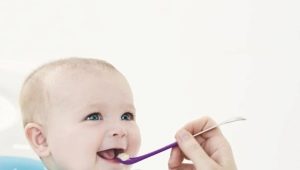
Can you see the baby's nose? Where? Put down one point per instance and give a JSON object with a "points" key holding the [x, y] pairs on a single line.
{"points": [[118, 132]]}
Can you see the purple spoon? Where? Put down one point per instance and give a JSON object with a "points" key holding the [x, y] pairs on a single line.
{"points": [[133, 160]]}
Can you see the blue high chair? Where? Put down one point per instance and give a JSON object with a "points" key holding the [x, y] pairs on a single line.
{"points": [[20, 163]]}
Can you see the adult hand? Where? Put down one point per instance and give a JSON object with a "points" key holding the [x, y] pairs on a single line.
{"points": [[209, 151]]}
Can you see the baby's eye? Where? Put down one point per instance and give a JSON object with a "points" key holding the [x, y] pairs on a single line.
{"points": [[127, 116], [94, 116]]}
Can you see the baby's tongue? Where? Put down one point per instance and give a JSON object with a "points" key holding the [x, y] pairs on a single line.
{"points": [[108, 154]]}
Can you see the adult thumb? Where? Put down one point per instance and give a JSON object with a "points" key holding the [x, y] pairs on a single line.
{"points": [[193, 150]]}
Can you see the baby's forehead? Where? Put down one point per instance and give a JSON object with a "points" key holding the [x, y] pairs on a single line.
{"points": [[86, 90], [70, 78], [77, 77]]}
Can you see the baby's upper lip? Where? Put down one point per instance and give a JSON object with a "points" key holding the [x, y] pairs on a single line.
{"points": [[118, 147]]}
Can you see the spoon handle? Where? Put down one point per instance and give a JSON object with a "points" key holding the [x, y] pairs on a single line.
{"points": [[174, 144], [222, 123]]}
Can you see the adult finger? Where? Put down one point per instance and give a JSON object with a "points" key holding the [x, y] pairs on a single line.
{"points": [[192, 149], [176, 158], [213, 142]]}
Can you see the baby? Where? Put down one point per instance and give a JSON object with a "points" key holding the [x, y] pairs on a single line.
{"points": [[79, 114]]}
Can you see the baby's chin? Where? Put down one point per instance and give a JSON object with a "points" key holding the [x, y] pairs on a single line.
{"points": [[93, 164]]}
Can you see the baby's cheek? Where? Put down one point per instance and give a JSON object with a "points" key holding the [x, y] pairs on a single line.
{"points": [[135, 141]]}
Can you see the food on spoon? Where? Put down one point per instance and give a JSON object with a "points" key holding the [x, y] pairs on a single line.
{"points": [[123, 156]]}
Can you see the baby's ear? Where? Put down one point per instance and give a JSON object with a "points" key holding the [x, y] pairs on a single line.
{"points": [[37, 139]]}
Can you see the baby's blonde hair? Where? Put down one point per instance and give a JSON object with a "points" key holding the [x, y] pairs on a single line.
{"points": [[34, 97]]}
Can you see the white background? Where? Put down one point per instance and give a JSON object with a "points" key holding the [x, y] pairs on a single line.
{"points": [[183, 59]]}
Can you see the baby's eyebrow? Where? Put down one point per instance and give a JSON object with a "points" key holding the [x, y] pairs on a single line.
{"points": [[124, 107], [130, 107], [92, 105]]}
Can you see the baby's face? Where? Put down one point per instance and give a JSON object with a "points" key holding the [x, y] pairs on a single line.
{"points": [[92, 119]]}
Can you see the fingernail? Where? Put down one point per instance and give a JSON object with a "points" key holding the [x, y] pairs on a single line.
{"points": [[183, 135]]}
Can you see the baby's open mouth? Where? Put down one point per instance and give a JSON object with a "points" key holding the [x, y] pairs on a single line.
{"points": [[110, 154]]}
